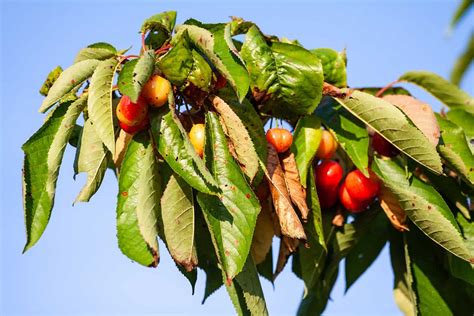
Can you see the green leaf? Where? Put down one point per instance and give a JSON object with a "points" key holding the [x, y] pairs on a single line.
{"points": [[286, 78], [424, 206], [43, 155], [438, 293], [394, 126], [138, 202], [251, 119], [367, 250], [439, 87], [177, 214], [455, 148], [50, 80], [92, 158], [135, 74], [69, 79], [265, 268], [334, 65], [306, 138], [178, 62], [246, 291], [99, 105], [239, 136], [163, 21], [232, 216], [351, 133], [461, 11], [98, 51], [463, 119], [214, 41], [174, 145], [464, 61]]}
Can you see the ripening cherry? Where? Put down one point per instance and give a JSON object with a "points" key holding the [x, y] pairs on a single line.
{"points": [[360, 187], [328, 175], [327, 146], [280, 138], [144, 124], [130, 113], [383, 147], [349, 202], [197, 137], [156, 91]]}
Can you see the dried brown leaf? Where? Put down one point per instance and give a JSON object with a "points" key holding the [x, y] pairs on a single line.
{"points": [[297, 191], [338, 219], [420, 113], [392, 208], [263, 235], [287, 247], [289, 222]]}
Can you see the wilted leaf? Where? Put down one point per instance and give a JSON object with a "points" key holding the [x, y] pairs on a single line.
{"points": [[293, 183], [306, 138], [92, 158], [239, 136], [287, 247], [43, 155], [68, 80], [420, 113], [393, 210], [440, 88], [50, 80], [138, 202], [289, 222], [177, 215], [263, 235]]}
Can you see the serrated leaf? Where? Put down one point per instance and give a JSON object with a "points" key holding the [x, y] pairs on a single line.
{"points": [[455, 148], [135, 75], [232, 216], [464, 61], [306, 138], [334, 66], [424, 206], [43, 155], [351, 134], [177, 214], [98, 51], [99, 104], [50, 80], [293, 183], [214, 40], [440, 88], [393, 125], [289, 222], [69, 79], [263, 234], [164, 21], [138, 203], [390, 205], [92, 158], [173, 144], [246, 291], [239, 136], [285, 78], [366, 250]]}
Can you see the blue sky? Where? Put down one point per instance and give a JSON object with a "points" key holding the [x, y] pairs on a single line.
{"points": [[77, 268]]}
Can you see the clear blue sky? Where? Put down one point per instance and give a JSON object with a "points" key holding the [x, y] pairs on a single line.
{"points": [[77, 267]]}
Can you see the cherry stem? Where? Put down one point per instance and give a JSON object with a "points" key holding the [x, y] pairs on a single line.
{"points": [[276, 124], [123, 58], [382, 91], [143, 42], [163, 49]]}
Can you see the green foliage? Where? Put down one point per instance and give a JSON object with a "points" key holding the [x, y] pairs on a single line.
{"points": [[205, 209], [463, 62]]}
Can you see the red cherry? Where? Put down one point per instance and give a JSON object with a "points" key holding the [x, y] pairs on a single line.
{"points": [[349, 202], [130, 113], [327, 197], [144, 124], [360, 187], [328, 175], [383, 147], [280, 138]]}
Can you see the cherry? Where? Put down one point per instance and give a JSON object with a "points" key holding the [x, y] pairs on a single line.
{"points": [[360, 187], [383, 147], [327, 197], [156, 91], [327, 146], [328, 175], [144, 124], [280, 138], [130, 113], [197, 137], [349, 202], [220, 82]]}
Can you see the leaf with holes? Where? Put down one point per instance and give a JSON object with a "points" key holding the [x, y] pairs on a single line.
{"points": [[43, 155], [135, 75], [138, 202]]}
